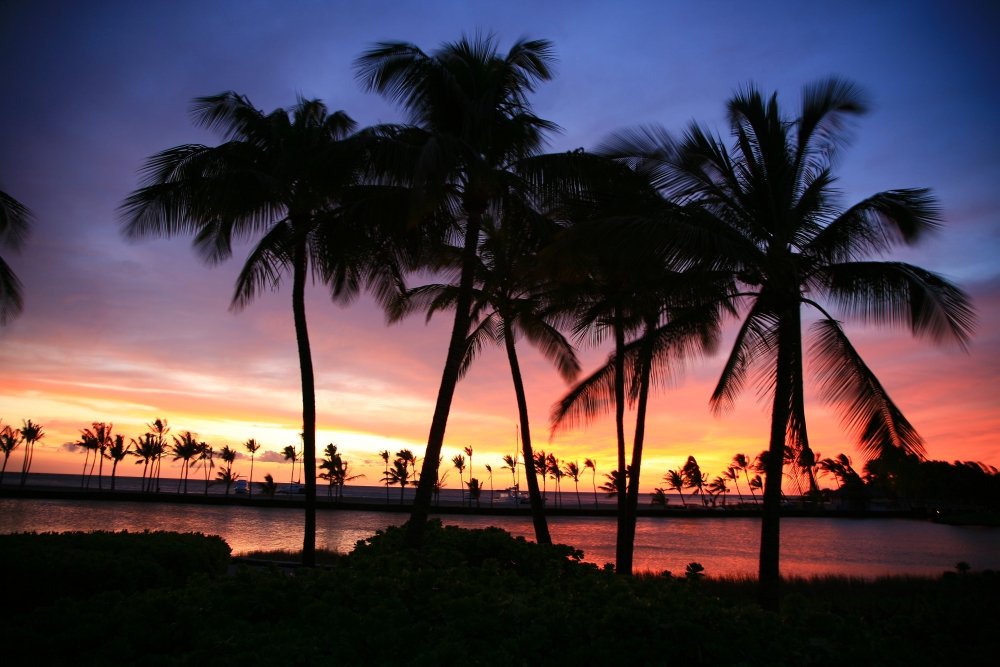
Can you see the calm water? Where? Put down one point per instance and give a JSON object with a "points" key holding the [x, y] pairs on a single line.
{"points": [[860, 547]]}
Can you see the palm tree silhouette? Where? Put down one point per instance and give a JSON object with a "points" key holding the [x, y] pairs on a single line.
{"points": [[15, 219], [184, 449], [459, 462], [675, 480], [509, 302], [471, 125], [278, 177], [385, 476], [226, 476], [10, 439], [206, 460], [292, 455], [31, 433], [399, 473], [97, 439], [251, 446], [768, 207], [572, 470], [146, 449], [592, 465], [693, 478], [741, 462], [117, 452], [489, 471], [159, 428]]}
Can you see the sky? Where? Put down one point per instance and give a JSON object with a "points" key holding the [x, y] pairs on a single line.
{"points": [[126, 332]]}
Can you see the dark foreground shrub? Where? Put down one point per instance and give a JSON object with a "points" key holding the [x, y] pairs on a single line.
{"points": [[45, 567]]}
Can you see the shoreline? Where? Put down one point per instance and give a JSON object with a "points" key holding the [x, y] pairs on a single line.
{"points": [[323, 503]]}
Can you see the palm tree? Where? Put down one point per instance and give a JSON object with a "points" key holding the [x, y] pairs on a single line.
{"points": [[472, 125], [410, 460], [88, 442], [693, 478], [459, 462], [733, 475], [540, 468], [97, 439], [768, 206], [399, 473], [160, 429], [251, 446], [675, 480], [117, 452], [278, 177], [510, 463], [509, 302], [475, 490], [226, 476], [30, 434], [468, 452], [718, 487], [385, 476], [14, 222], [10, 439], [489, 471], [147, 448], [184, 449], [292, 455], [741, 462], [555, 471], [592, 465], [205, 458], [572, 470]]}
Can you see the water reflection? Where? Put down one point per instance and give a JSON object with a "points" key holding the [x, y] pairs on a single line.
{"points": [[864, 548]]}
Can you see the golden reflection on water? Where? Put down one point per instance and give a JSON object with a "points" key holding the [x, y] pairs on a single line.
{"points": [[724, 546]]}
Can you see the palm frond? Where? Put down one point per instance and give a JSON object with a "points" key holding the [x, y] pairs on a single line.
{"points": [[896, 293], [264, 266], [755, 344], [865, 406], [877, 224]]}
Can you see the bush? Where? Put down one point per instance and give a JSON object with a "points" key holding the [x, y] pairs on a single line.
{"points": [[45, 567]]}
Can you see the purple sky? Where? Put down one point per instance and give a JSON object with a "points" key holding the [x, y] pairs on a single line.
{"points": [[127, 332]]}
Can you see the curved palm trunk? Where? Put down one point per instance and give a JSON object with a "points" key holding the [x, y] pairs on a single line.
{"points": [[537, 506], [626, 543], [621, 550], [250, 483], [308, 404], [449, 380], [788, 367]]}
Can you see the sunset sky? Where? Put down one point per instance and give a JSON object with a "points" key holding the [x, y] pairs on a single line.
{"points": [[127, 332]]}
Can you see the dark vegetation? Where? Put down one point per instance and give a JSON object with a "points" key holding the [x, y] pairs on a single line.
{"points": [[469, 596]]}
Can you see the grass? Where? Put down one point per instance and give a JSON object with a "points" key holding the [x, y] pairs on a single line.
{"points": [[482, 597]]}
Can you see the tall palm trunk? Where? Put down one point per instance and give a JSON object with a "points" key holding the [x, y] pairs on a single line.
{"points": [[537, 506], [622, 481], [788, 362], [625, 548], [308, 403], [250, 483], [449, 380]]}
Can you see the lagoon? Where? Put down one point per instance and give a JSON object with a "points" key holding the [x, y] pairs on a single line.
{"points": [[866, 548]]}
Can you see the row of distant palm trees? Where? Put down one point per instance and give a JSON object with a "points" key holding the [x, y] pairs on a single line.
{"points": [[11, 438], [650, 244]]}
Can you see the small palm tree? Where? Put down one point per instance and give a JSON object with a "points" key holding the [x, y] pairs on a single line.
{"points": [[555, 472], [675, 480], [399, 473], [572, 470], [206, 458], [489, 471], [591, 464], [385, 458], [226, 475], [185, 449], [718, 487], [290, 454], [510, 463], [251, 446], [693, 478], [14, 223], [97, 439], [475, 490], [268, 486], [160, 429], [733, 475], [10, 439], [145, 450], [117, 452], [459, 462], [31, 433]]}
